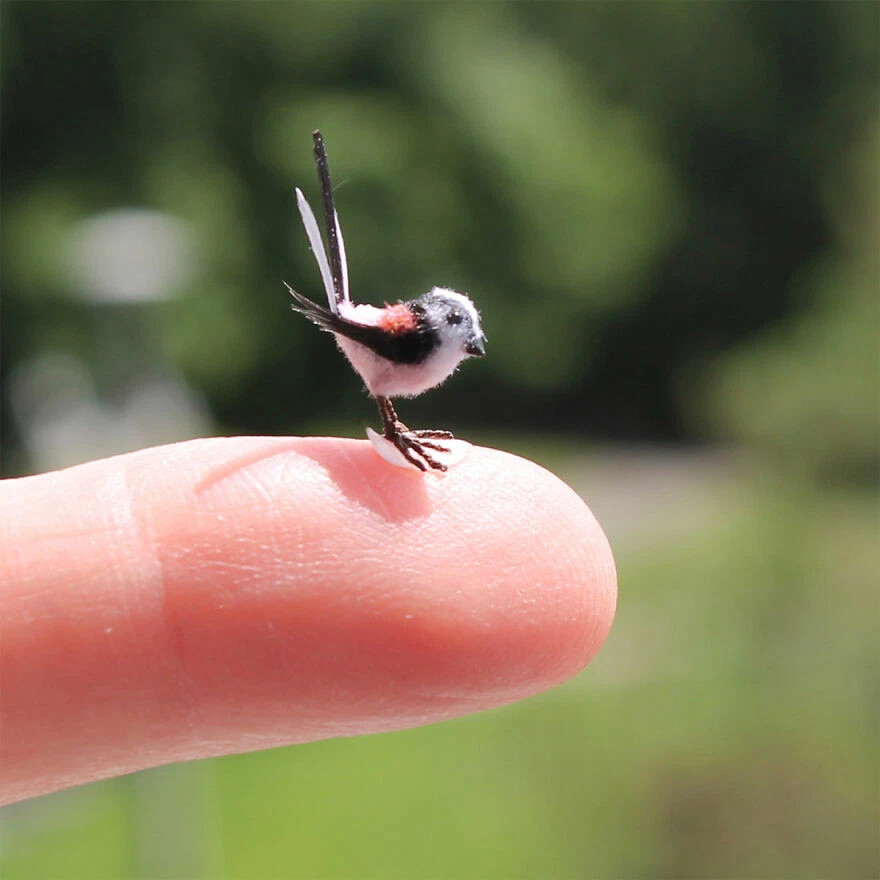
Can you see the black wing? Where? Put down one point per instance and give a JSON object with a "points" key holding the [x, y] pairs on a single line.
{"points": [[410, 347]]}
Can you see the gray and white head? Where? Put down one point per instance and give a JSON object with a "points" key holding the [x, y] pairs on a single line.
{"points": [[454, 318]]}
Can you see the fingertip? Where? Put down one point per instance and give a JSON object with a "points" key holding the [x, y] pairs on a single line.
{"points": [[503, 579], [494, 579], [543, 570]]}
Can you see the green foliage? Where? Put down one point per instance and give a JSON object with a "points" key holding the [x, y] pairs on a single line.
{"points": [[808, 393], [626, 189]]}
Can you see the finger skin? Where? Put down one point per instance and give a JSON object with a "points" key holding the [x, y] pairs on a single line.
{"points": [[230, 594]]}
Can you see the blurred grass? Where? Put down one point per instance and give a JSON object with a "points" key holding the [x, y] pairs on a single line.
{"points": [[724, 730]]}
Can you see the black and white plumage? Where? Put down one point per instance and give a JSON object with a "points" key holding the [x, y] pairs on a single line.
{"points": [[400, 350]]}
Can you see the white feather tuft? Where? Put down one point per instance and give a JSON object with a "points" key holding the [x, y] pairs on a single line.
{"points": [[317, 243], [342, 259]]}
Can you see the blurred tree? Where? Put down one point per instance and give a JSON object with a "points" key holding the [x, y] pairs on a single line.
{"points": [[808, 392], [626, 189]]}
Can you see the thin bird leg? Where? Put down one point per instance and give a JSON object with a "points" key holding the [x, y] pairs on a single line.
{"points": [[392, 425], [410, 443], [390, 421], [323, 165]]}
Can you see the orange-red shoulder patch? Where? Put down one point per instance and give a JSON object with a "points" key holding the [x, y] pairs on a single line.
{"points": [[397, 319]]}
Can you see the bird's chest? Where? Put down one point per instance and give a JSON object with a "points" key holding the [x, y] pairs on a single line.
{"points": [[401, 374]]}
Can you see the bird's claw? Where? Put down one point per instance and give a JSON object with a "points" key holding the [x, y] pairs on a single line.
{"points": [[434, 435], [414, 445]]}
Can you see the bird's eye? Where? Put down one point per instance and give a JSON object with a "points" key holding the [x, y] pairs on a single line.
{"points": [[454, 317]]}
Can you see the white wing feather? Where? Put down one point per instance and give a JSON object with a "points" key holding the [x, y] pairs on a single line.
{"points": [[317, 243], [342, 259]]}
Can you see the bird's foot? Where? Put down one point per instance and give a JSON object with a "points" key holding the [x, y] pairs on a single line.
{"points": [[416, 446]]}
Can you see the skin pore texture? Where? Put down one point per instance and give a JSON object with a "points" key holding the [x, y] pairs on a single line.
{"points": [[231, 594]]}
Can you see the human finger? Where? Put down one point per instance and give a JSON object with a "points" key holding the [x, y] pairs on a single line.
{"points": [[232, 594]]}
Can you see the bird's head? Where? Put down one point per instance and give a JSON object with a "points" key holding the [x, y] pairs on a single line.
{"points": [[454, 319]]}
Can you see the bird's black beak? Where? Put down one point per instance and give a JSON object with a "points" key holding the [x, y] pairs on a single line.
{"points": [[476, 346]]}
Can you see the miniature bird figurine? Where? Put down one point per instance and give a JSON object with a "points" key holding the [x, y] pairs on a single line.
{"points": [[399, 350]]}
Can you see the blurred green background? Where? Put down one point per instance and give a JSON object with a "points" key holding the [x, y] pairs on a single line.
{"points": [[668, 215]]}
